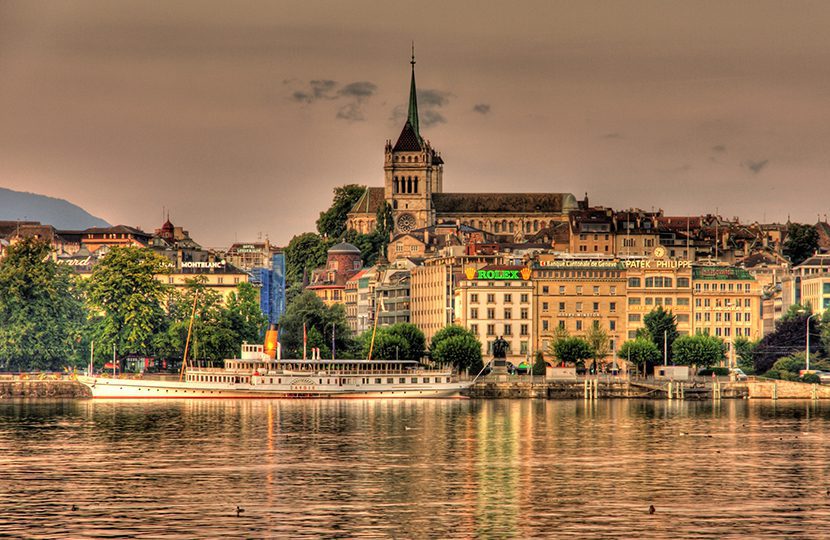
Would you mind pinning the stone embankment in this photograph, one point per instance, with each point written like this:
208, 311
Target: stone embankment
16, 388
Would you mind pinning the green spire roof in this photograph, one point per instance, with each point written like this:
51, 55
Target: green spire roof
412, 117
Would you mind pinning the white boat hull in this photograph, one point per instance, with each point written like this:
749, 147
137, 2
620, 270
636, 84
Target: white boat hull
105, 388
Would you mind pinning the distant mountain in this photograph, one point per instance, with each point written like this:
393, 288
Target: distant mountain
59, 213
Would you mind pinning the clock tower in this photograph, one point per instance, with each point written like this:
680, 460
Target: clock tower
413, 171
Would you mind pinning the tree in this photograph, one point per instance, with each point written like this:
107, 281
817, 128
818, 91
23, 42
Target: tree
641, 352
41, 313
662, 326
243, 315
309, 309
598, 340
414, 342
126, 299
539, 365
801, 242
445, 333
332, 222
700, 350
463, 351
789, 337
572, 349
744, 353
304, 253
387, 346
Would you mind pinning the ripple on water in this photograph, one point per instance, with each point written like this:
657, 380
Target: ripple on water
401, 469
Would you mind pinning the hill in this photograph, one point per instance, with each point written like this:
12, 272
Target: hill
61, 214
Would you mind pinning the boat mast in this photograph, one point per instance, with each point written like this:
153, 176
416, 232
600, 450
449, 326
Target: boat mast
189, 330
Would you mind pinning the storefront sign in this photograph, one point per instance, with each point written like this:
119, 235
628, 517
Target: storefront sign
203, 265
581, 263
498, 275
658, 264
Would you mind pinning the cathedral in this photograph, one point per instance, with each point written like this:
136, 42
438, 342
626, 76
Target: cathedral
414, 189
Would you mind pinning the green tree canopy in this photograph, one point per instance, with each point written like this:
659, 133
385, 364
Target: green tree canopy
641, 352
332, 223
413, 338
445, 333
539, 364
125, 299
308, 308
463, 351
744, 353
41, 313
598, 340
700, 350
572, 349
789, 337
304, 253
801, 242
662, 326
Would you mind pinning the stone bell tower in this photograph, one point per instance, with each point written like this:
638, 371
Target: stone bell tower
413, 171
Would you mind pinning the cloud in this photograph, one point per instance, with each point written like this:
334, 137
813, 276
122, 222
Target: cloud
359, 90
319, 89
481, 108
433, 98
431, 117
756, 166
615, 135
353, 95
719, 148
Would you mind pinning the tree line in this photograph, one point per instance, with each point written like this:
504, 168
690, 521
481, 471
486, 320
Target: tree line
50, 317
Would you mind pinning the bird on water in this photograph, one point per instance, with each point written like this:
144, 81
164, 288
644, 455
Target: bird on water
651, 509
239, 511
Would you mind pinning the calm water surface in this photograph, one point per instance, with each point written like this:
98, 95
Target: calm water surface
414, 469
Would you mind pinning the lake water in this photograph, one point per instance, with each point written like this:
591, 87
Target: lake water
414, 469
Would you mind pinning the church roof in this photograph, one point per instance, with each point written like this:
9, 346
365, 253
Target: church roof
409, 140
485, 203
370, 202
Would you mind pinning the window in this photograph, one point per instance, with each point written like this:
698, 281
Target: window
491, 329
613, 290
508, 313
579, 306
612, 307
561, 325
544, 289
474, 298
474, 329
491, 298
508, 330
633, 282
523, 330
668, 301
474, 313
682, 317
508, 298
698, 301
524, 298
399, 247
561, 289
634, 300
633, 317
596, 306
649, 301
578, 289
544, 306
525, 313
707, 317
579, 325
612, 325
523, 347
561, 306
545, 325
596, 290
491, 313
682, 282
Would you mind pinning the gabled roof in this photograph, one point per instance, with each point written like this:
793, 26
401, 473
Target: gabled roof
370, 202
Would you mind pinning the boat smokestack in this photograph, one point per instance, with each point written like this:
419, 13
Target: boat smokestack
271, 341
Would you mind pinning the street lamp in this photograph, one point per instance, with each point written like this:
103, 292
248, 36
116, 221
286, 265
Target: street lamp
333, 327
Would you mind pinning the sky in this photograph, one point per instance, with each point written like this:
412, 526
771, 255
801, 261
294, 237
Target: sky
240, 118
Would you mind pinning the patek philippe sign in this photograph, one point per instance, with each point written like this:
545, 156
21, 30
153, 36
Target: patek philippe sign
517, 274
658, 264
203, 265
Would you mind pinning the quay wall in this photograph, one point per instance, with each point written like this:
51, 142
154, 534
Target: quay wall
42, 389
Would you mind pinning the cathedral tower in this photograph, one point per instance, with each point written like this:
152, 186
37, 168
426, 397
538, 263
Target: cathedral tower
413, 171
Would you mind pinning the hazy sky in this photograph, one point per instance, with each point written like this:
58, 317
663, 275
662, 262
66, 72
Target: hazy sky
240, 117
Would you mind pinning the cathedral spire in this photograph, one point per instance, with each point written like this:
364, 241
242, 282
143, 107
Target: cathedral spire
412, 117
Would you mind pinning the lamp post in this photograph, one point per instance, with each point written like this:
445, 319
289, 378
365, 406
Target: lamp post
333, 327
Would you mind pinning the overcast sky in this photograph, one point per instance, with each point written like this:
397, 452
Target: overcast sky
241, 117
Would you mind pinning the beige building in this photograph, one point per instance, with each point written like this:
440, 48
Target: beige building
815, 290
223, 279
497, 301
575, 293
727, 303
658, 281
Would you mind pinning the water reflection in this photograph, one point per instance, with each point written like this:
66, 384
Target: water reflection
402, 469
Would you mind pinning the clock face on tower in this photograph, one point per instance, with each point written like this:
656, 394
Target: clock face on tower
406, 223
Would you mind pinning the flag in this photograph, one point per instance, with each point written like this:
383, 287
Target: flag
305, 341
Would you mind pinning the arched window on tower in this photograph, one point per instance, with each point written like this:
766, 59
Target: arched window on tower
511, 226
416, 185
535, 224
496, 227
409, 184
395, 186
